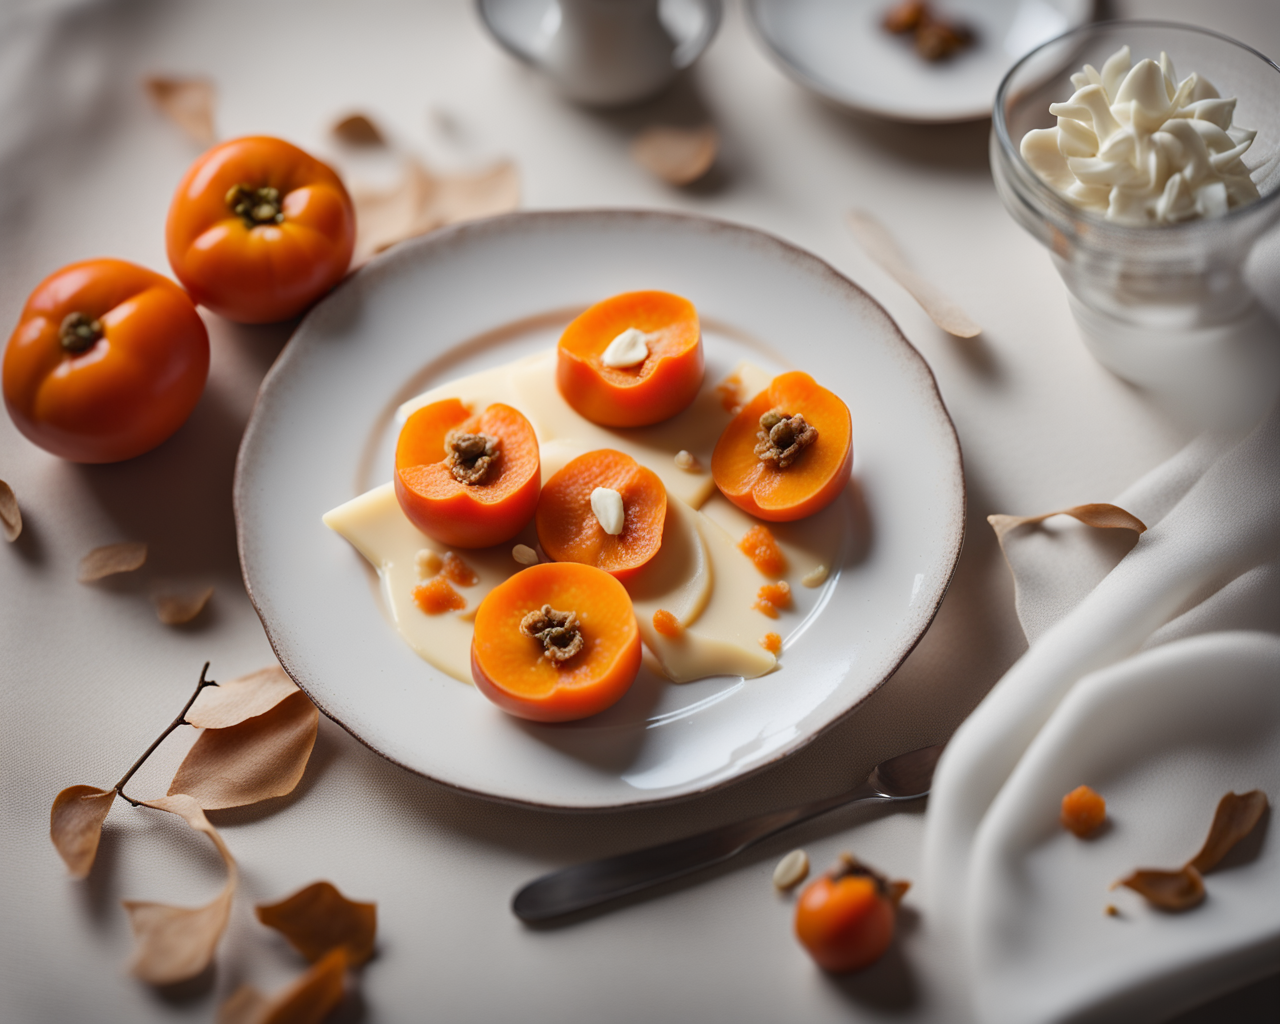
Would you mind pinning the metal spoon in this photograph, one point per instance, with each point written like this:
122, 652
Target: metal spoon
905, 777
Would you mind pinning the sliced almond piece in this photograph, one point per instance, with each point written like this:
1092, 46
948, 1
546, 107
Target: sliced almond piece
791, 870
179, 609
111, 559
677, 155
10, 514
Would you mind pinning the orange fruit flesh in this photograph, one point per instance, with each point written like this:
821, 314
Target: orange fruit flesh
1083, 810
511, 669
759, 545
568, 529
808, 484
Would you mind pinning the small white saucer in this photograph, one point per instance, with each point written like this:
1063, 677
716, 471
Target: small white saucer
838, 49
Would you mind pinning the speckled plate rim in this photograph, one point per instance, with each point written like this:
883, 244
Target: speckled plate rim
449, 236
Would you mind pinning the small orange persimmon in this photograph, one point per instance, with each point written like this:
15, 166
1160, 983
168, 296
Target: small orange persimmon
1083, 811
788, 453
665, 378
845, 919
556, 642
569, 529
468, 481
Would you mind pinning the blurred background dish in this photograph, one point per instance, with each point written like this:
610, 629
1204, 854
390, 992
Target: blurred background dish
841, 50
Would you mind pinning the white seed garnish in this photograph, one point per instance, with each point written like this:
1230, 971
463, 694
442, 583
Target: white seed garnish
686, 461
606, 503
524, 554
791, 870
815, 577
427, 562
629, 348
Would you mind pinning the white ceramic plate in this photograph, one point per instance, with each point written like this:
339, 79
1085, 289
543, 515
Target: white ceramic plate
838, 49
483, 293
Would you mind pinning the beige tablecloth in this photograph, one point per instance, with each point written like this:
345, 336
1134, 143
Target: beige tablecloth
90, 677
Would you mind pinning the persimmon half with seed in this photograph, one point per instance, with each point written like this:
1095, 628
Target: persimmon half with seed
469, 481
788, 453
569, 530
664, 380
555, 642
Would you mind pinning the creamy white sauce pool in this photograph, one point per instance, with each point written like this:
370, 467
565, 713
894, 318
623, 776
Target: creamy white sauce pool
699, 574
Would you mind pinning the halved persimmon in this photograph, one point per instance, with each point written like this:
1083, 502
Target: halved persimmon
788, 453
555, 642
632, 360
468, 481
603, 509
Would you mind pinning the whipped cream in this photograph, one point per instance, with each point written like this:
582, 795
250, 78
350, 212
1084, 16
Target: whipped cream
1140, 147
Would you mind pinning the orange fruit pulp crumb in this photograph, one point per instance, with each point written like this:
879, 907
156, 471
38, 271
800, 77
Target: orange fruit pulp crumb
732, 393
759, 545
666, 623
773, 596
771, 642
455, 569
1083, 810
437, 596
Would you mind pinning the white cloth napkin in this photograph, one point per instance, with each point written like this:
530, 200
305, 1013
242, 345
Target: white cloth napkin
1153, 676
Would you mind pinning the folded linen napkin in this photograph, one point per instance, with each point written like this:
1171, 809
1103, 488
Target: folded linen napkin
1200, 592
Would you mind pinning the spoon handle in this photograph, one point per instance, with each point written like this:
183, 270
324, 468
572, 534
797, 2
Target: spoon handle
598, 881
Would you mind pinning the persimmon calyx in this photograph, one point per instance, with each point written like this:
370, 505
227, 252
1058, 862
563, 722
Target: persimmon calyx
558, 632
469, 456
79, 333
255, 206
782, 437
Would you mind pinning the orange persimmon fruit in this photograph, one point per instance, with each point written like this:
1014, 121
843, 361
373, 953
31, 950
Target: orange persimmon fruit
432, 464
653, 389
517, 667
786, 484
568, 529
845, 919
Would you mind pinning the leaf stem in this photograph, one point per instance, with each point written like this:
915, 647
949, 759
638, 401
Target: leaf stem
180, 720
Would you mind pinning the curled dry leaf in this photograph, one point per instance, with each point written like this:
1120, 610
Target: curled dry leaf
319, 919
309, 1000
358, 130
423, 201
173, 944
879, 244
247, 697
111, 559
254, 760
179, 609
1168, 890
10, 514
187, 102
1235, 818
75, 825
677, 155
1099, 515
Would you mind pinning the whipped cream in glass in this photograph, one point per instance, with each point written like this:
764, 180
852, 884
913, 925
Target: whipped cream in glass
1139, 147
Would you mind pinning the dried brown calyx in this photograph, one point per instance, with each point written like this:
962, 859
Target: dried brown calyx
782, 437
558, 632
255, 206
79, 333
1182, 889
469, 456
849, 866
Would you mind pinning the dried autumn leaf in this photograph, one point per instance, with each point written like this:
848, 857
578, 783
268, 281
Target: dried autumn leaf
75, 825
1168, 890
111, 559
179, 609
10, 514
319, 919
880, 245
259, 758
677, 155
173, 944
1235, 818
246, 697
358, 130
423, 201
309, 1000
187, 102
1099, 515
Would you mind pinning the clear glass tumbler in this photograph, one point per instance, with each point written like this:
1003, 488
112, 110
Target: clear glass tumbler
1164, 307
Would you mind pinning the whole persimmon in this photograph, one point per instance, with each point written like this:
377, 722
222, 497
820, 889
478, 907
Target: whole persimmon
258, 230
107, 361
845, 919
